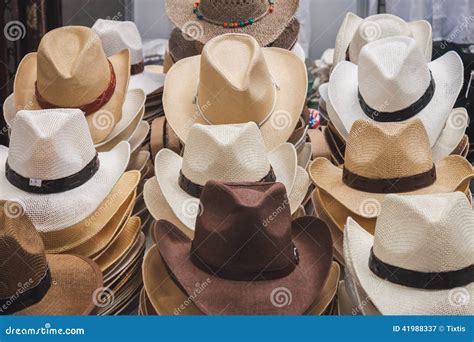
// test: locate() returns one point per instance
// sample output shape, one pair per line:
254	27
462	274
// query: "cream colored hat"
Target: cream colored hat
53	169
119	35
387	158
71	70
420	260
356	32
393	82
231	153
236	81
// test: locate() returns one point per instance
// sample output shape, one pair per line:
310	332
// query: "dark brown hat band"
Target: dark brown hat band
421	280
195	190
39	186
89	108
389	185
137	68
27	298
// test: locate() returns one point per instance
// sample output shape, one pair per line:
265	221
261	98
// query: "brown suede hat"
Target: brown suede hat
247	243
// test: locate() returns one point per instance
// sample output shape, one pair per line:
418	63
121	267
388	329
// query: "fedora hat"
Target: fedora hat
420	260
219	153
384	158
273	251
203	20
36	283
71	70
236	81
355	33
53	169
393	82
119	35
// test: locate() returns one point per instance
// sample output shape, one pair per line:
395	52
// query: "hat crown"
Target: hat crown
244	227
367	154
24	262
377	27
426	233
50	144
231	153
235	10
235	83
119	35
71	61
392	74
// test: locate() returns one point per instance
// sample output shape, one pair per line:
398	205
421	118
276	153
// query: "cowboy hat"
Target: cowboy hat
54	170
218	153
206	19
393	82
70	70
221	87
271	253
119	35
356	32
35	283
420	260
388	158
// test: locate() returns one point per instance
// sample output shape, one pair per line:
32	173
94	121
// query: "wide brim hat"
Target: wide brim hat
75	282
453	173
53	212
25	98
224	297
394	299
186	207
288	72
447	73
148	81
265	30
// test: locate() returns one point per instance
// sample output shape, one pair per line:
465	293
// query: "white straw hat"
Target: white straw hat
420	260
230	153
393	82
356	32
118	35
53	169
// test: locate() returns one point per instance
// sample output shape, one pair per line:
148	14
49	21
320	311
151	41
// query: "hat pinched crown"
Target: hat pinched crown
238	234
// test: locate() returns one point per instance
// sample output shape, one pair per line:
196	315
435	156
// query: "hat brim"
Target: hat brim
390	298
138	137
53	212
447	72
221	296
140	162
102	122
453	174
148	81
265	30
289	73
74	282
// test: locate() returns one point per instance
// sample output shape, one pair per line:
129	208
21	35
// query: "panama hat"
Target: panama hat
386	158
393	82
203	20
119	35
35	283
420	260
270	253
232	153
355	33
71	70
53	169
221	87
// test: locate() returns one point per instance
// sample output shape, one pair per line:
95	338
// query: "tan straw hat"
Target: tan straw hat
71	70
236	81
388	158
35	283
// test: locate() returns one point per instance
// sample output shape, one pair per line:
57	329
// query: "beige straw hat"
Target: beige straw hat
35	283
388	158
236	81
356	32
71	70
219	153
420	260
